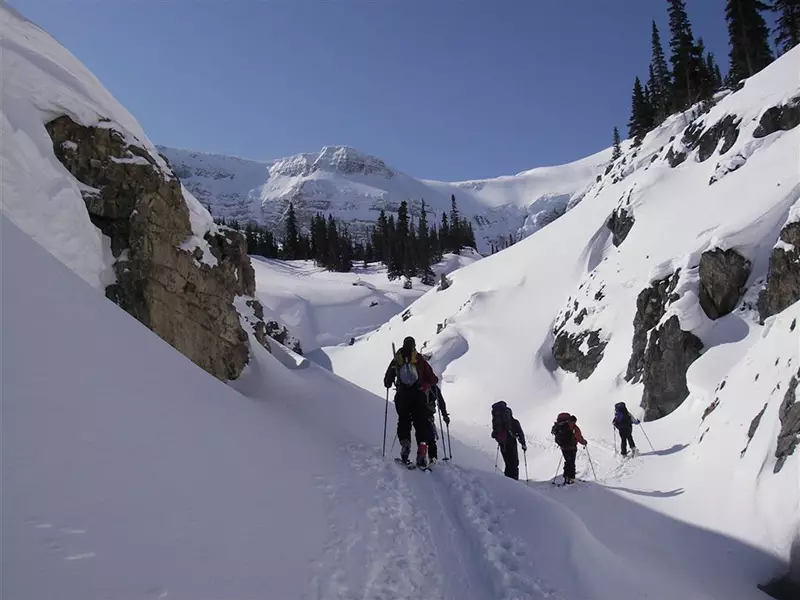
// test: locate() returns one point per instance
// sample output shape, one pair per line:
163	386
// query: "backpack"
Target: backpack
407	371
502	422
622	417
563	433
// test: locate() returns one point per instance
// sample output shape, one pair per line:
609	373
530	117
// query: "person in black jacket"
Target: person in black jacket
624	422
506	430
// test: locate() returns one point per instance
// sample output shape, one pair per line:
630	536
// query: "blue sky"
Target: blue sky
441	89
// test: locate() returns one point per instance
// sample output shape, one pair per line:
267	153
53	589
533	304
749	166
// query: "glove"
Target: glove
387	383
636	421
446	419
584	443
524	448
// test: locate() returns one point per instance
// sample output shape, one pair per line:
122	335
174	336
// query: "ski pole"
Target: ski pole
614	430
591	464
441	435
449	445
385	419
647	438
525	457
496	456
557	469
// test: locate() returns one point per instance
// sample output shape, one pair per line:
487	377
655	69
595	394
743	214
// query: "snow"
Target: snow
175	485
323	308
41	81
501	311
354	187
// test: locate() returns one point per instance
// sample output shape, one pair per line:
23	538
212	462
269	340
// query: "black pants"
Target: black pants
626	437
412	409
433	450
569	462
511	458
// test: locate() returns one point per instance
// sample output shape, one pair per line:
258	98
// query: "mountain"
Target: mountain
354	187
674	287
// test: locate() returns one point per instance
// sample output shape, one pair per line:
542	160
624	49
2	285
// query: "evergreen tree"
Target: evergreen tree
455	226
617	151
332	239
685	85
423	239
444	234
436	249
659	82
705	71
640	121
291	241
748	37
787	24
718	81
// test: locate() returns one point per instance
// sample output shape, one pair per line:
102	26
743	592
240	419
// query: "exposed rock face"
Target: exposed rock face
579	353
675	158
669	354
620	223
723	275
651	305
779	118
783	278
186	296
789	435
706	141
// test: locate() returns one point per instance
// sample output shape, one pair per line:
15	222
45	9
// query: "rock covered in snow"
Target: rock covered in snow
723	275
783	279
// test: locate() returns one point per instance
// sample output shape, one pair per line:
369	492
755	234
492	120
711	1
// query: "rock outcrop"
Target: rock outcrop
779	118
579	353
180	286
783	278
707	140
620	223
669	354
723	275
651	305
789	435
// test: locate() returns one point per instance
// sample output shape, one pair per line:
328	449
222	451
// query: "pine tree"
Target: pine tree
787	24
436	249
685	85
423	239
705	71
455	226
617	151
718	81
640	120
291	242
748	37
659	83
444	235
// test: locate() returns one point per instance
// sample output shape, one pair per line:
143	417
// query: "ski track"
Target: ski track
437	535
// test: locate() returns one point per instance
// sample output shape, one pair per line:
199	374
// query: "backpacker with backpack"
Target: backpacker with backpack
562	430
502	425
622	418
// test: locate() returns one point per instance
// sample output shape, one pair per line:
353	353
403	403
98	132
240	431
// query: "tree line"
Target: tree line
406	248
693	74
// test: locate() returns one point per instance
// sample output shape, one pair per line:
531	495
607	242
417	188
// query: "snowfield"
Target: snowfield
354	187
128	472
323	308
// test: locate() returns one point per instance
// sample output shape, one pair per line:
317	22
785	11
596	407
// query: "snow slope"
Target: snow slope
324	308
354	187
173	485
41	81
499	317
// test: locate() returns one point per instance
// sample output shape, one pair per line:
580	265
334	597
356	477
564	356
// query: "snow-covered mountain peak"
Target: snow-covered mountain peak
342	160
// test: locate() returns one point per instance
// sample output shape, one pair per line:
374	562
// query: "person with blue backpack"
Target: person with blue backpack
506	430
623	422
413	378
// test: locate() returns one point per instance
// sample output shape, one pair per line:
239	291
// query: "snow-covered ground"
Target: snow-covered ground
127	472
354	187
500	314
323	308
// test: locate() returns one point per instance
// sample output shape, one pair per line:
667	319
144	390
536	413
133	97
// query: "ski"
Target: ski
412	466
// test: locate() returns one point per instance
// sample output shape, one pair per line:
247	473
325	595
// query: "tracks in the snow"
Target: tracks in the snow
395	533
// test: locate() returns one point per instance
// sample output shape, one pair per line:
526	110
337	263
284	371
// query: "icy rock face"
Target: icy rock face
579	353
779	118
789	435
186	296
723	275
783	278
669	354
707	140
620	223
